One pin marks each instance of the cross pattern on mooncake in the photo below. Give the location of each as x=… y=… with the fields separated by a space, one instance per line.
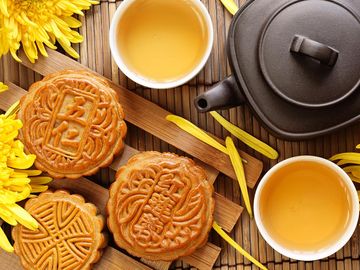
x=62 y=240
x=69 y=234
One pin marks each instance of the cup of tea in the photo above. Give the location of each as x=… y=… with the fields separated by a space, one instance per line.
x=306 y=208
x=161 y=43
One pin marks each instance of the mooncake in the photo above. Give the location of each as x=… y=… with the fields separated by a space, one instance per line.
x=69 y=236
x=73 y=123
x=161 y=206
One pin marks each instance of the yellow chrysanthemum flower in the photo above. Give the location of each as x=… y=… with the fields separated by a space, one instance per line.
x=35 y=23
x=16 y=181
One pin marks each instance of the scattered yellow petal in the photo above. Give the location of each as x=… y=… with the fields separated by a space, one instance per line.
x=246 y=138
x=230 y=5
x=13 y=109
x=239 y=171
x=352 y=169
x=352 y=162
x=348 y=156
x=196 y=132
x=3 y=87
x=4 y=242
x=353 y=172
x=356 y=174
x=342 y=162
x=235 y=245
x=354 y=179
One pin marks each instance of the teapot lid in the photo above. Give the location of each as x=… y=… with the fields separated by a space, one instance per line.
x=305 y=55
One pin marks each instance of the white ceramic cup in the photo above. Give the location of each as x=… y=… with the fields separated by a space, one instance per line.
x=121 y=10
x=348 y=232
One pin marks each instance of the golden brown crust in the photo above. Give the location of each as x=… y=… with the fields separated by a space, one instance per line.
x=69 y=235
x=160 y=206
x=73 y=123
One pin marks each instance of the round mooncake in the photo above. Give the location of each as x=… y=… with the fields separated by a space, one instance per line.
x=69 y=236
x=73 y=123
x=161 y=206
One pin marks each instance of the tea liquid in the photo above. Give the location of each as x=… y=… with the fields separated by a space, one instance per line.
x=162 y=40
x=305 y=206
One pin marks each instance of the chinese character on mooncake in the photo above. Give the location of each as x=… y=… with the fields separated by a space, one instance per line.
x=161 y=206
x=69 y=234
x=73 y=123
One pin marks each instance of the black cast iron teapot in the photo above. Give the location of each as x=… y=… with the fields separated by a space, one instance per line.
x=297 y=65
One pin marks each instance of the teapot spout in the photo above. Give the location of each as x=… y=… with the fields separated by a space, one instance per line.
x=224 y=95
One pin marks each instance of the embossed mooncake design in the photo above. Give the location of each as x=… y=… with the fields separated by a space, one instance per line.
x=69 y=235
x=161 y=206
x=73 y=123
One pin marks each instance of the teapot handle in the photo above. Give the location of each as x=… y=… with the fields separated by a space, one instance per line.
x=311 y=48
x=225 y=94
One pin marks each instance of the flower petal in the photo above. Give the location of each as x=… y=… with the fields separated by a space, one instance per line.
x=3 y=87
x=239 y=171
x=23 y=217
x=4 y=242
x=246 y=138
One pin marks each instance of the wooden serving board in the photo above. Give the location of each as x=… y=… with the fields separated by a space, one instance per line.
x=226 y=212
x=151 y=118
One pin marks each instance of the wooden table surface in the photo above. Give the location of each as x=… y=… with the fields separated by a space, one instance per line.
x=95 y=53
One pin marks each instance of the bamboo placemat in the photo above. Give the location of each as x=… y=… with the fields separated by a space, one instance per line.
x=95 y=53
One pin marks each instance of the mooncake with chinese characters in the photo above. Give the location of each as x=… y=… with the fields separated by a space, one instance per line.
x=69 y=236
x=73 y=123
x=161 y=206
